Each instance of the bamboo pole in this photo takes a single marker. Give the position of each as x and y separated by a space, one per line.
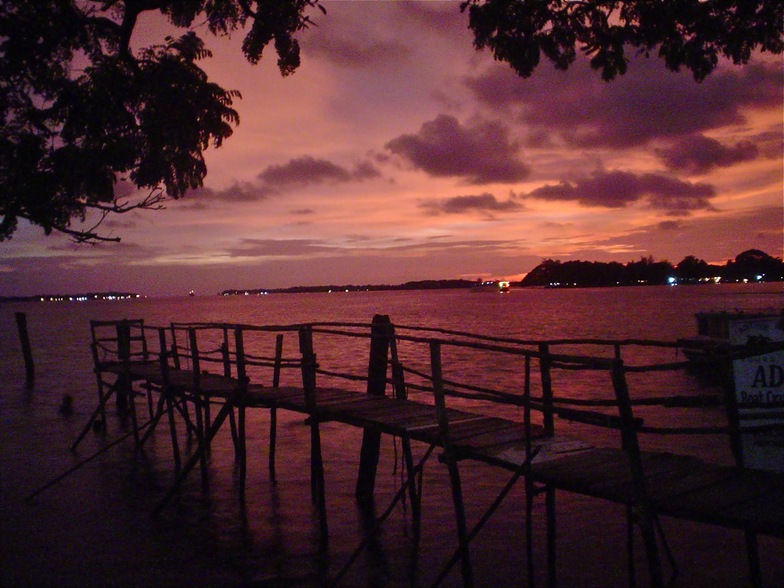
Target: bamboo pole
21 323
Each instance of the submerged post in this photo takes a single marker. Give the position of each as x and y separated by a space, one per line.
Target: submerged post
21 323
377 382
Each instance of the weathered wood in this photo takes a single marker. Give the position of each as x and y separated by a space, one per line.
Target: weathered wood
27 354
168 393
547 386
318 491
649 484
644 510
278 362
454 472
377 381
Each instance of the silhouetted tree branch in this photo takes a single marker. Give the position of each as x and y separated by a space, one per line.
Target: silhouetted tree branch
685 33
82 108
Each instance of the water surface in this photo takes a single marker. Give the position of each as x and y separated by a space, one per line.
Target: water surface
94 528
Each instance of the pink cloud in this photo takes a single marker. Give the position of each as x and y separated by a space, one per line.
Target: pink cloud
482 153
485 203
699 154
310 170
617 189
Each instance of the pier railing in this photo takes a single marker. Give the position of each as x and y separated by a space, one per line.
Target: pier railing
565 414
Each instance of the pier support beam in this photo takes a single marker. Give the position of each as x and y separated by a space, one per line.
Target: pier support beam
380 334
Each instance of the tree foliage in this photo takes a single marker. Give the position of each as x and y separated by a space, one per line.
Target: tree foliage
87 116
752 265
90 121
693 34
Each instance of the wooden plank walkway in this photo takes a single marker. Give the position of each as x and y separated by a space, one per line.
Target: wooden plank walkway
679 486
415 420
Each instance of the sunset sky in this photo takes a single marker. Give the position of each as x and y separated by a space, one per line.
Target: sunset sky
398 152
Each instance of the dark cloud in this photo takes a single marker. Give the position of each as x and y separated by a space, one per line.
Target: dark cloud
237 192
356 53
339 41
364 170
436 18
648 102
274 180
443 147
771 143
699 154
308 170
486 203
670 225
279 248
616 189
303 211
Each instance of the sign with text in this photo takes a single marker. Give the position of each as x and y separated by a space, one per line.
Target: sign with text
759 390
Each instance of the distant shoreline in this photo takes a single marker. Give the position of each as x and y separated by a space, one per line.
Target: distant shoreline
751 266
73 297
490 286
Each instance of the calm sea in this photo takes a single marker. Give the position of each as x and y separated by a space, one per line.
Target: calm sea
94 528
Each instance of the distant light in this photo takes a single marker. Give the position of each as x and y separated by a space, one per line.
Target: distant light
672 281
760 277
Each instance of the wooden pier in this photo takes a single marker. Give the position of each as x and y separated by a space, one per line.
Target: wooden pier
403 381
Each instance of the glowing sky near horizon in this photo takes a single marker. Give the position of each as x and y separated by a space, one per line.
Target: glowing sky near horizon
398 152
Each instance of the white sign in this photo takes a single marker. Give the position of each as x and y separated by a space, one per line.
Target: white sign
759 386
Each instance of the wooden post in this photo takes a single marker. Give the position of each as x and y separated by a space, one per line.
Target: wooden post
377 382
21 323
398 375
242 378
168 393
545 363
451 463
642 504
547 387
273 431
317 487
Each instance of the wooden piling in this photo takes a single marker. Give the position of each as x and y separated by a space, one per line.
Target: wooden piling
377 382
21 323
317 488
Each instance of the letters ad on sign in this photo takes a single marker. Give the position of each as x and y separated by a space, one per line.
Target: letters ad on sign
759 390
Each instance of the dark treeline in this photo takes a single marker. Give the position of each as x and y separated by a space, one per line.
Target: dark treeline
417 285
750 266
